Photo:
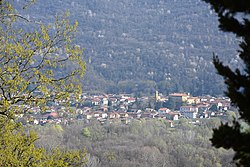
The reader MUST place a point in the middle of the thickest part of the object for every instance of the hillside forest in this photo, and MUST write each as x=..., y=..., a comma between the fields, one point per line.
x=140, y=46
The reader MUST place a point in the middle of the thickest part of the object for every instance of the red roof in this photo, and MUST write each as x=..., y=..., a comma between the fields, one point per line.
x=54, y=114
x=178, y=94
x=164, y=109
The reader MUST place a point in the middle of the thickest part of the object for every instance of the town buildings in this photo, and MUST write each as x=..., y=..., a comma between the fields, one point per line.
x=125, y=107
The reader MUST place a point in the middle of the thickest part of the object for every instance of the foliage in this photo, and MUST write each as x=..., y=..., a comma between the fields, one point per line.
x=234, y=18
x=86, y=132
x=136, y=46
x=147, y=143
x=213, y=108
x=174, y=104
x=17, y=148
x=33, y=62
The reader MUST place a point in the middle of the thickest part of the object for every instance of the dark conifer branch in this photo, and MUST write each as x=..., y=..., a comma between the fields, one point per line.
x=238, y=82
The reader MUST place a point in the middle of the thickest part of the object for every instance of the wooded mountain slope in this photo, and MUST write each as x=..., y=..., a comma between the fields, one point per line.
x=140, y=45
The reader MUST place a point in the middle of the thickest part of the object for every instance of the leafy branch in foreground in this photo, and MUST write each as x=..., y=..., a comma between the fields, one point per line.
x=17, y=148
x=38, y=65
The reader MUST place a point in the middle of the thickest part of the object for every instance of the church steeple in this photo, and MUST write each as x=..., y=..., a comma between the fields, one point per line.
x=157, y=98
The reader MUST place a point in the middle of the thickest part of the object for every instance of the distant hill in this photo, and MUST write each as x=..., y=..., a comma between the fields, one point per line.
x=142, y=45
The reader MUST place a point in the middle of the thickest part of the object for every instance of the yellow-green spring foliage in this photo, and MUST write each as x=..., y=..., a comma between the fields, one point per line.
x=38, y=64
x=17, y=148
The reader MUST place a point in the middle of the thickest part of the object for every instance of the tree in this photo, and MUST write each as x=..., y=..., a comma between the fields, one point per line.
x=86, y=132
x=39, y=64
x=234, y=17
x=17, y=148
x=213, y=108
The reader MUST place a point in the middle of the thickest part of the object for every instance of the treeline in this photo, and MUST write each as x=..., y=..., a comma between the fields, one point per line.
x=139, y=143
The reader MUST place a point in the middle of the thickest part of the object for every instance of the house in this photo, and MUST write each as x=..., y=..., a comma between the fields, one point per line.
x=113, y=102
x=87, y=115
x=204, y=115
x=123, y=107
x=104, y=109
x=124, y=115
x=172, y=116
x=36, y=121
x=206, y=98
x=96, y=101
x=160, y=116
x=202, y=107
x=189, y=111
x=193, y=100
x=131, y=100
x=225, y=106
x=134, y=115
x=105, y=101
x=125, y=118
x=104, y=115
x=51, y=115
x=97, y=114
x=178, y=97
x=149, y=109
x=190, y=114
x=164, y=110
x=114, y=115
x=148, y=115
x=222, y=105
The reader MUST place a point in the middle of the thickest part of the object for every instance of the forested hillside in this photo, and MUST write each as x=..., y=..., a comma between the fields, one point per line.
x=140, y=45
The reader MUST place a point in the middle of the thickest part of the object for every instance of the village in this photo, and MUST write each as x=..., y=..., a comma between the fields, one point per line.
x=108, y=108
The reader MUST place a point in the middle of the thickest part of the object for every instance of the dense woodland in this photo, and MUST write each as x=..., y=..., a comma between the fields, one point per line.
x=151, y=143
x=139, y=46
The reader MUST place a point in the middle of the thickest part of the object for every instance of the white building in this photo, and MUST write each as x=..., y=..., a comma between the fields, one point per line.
x=189, y=111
